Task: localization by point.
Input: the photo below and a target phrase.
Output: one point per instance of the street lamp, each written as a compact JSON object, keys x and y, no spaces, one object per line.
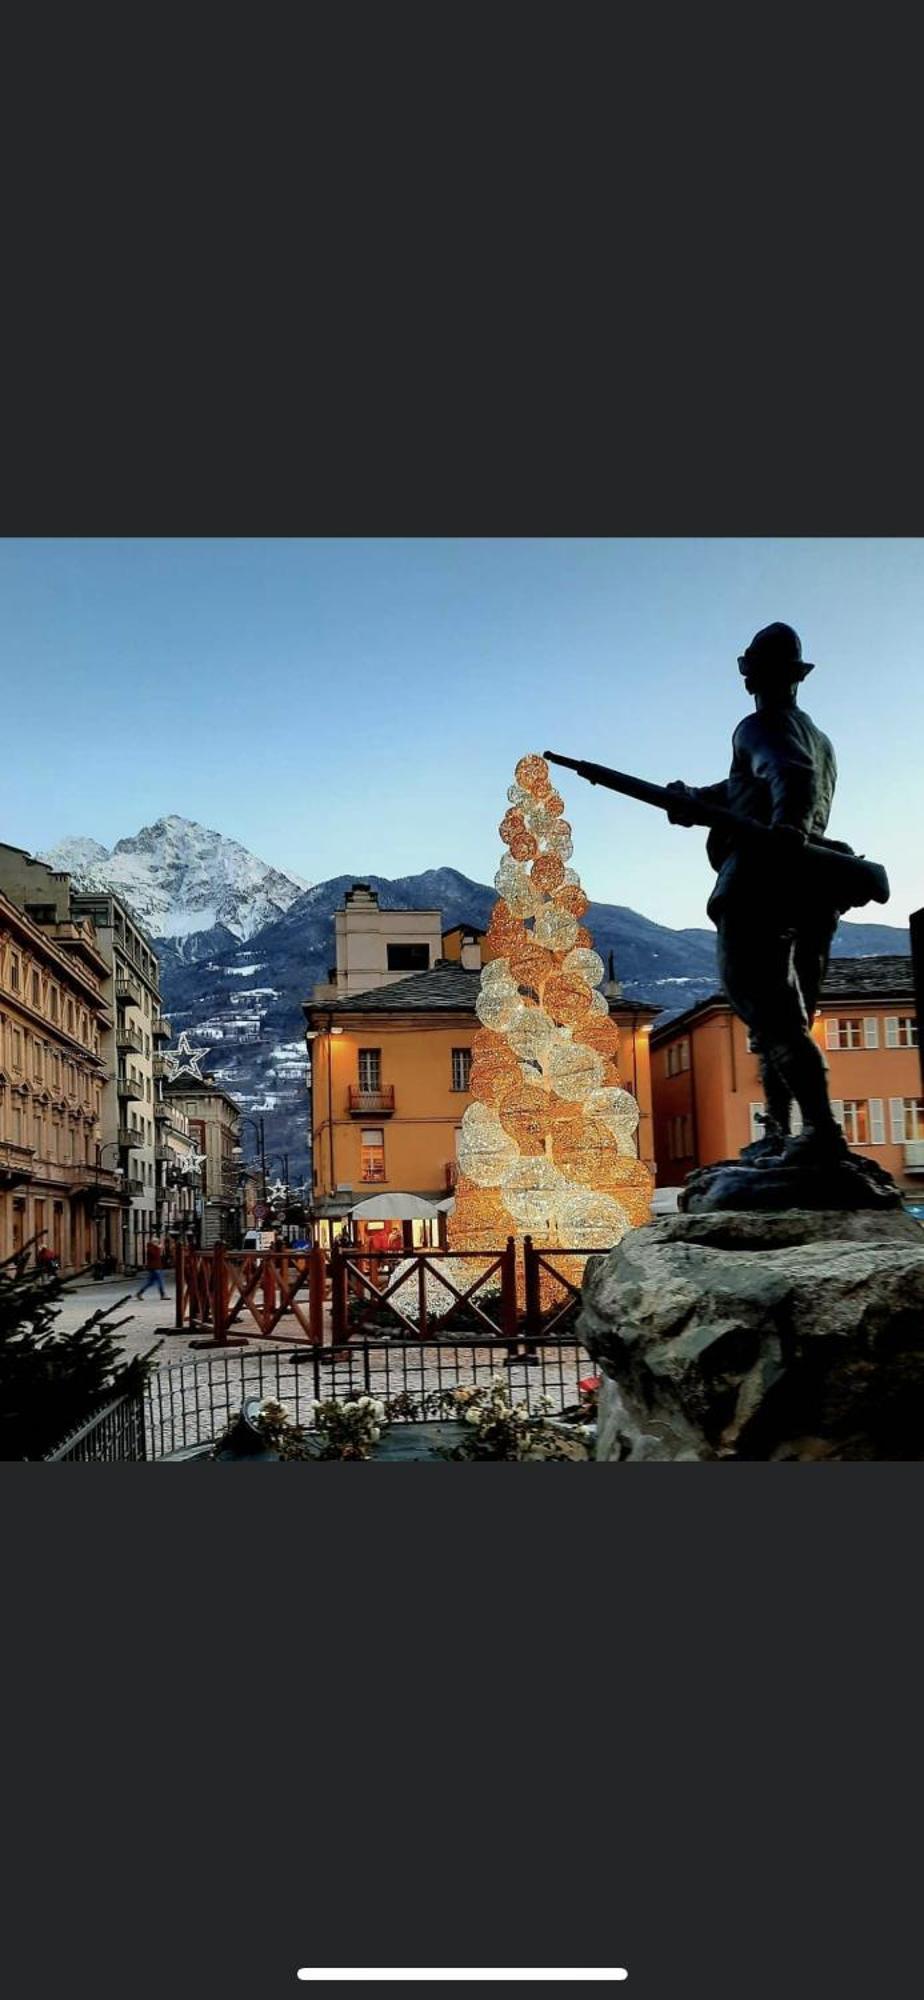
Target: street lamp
{"x":258,"y":1127}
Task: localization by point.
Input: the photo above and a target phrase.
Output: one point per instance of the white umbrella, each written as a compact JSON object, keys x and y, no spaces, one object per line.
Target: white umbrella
{"x":394,"y":1208}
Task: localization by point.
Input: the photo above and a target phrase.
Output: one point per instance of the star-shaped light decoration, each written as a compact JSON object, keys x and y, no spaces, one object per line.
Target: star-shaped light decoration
{"x":184,"y":1060}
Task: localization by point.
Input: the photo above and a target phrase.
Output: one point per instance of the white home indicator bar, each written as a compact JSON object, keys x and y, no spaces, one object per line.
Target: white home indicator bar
{"x":364,"y":1973}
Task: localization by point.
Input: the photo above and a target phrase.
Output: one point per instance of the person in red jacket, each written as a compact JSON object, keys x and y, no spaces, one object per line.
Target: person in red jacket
{"x":154,"y":1260}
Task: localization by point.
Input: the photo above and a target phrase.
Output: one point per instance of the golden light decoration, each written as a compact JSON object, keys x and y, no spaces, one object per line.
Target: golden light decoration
{"x":566,"y":996}
{"x":548,"y":1145}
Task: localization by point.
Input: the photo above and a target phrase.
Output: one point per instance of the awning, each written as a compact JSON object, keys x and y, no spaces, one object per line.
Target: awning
{"x":394,"y":1208}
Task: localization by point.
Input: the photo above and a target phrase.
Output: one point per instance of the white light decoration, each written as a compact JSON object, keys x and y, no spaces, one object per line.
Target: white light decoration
{"x":548,"y":1146}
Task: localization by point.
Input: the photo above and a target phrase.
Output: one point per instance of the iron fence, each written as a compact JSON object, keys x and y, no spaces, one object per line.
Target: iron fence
{"x":191,"y":1403}
{"x":118,"y":1432}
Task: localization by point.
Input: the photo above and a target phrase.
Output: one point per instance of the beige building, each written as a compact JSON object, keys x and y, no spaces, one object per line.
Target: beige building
{"x":131,"y":1000}
{"x":375,"y":947}
{"x":214,"y":1123}
{"x":178,"y":1172}
{"x":54,"y":1024}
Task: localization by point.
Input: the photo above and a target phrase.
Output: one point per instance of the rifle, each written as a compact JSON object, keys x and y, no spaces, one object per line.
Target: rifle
{"x":849,"y":880}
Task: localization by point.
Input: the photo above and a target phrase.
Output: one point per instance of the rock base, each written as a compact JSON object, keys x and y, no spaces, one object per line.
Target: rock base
{"x":769,"y":1186}
{"x":741,"y":1335}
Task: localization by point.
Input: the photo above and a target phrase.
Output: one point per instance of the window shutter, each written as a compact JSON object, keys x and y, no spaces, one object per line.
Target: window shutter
{"x":870,"y":1031}
{"x":831,"y":1032}
{"x":837,"y":1108}
{"x":891,"y":1031}
{"x":757,"y":1131}
{"x":897,"y":1118}
{"x":876,"y":1122}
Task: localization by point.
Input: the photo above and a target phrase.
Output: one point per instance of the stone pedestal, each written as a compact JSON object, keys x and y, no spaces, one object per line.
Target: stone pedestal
{"x":743,"y":1335}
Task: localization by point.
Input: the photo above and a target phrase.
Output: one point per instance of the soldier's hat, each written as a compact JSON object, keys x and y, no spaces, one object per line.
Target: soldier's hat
{"x":777,"y":650}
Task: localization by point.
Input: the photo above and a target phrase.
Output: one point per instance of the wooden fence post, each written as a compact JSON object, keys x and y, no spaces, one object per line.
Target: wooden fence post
{"x":338,"y":1297}
{"x":269,"y":1291}
{"x":509,"y":1298}
{"x":219,"y":1295}
{"x":316,"y":1295}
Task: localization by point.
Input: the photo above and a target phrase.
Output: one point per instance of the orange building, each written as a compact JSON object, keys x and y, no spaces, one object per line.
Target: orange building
{"x":706,"y":1083}
{"x":389,"y":1074}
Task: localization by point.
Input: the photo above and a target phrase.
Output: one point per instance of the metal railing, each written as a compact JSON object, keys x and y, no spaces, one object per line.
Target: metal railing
{"x":128,"y":1085}
{"x":117,"y":1432}
{"x":192,"y":1403}
{"x":129,"y":1141}
{"x":129,"y":1038}
{"x":380,"y":1101}
{"x":161,"y":1028}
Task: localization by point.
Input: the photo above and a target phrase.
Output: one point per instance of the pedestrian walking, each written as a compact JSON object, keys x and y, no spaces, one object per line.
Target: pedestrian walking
{"x":154,"y":1260}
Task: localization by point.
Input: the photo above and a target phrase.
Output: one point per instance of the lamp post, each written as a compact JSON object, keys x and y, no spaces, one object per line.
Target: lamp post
{"x":258,"y":1126}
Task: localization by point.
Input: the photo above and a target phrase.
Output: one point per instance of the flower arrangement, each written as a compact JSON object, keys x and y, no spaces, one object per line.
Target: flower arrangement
{"x":498,"y":1428}
{"x":349,"y":1428}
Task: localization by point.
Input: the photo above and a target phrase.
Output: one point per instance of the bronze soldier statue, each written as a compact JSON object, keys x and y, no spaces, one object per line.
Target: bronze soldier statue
{"x":776,"y":918}
{"x":782,"y":885}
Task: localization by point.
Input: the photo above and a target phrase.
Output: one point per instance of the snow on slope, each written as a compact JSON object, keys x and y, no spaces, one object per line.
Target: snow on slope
{"x":180,"y":878}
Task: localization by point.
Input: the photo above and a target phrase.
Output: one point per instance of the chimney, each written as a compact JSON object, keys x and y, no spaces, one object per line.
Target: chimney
{"x":470,"y":953}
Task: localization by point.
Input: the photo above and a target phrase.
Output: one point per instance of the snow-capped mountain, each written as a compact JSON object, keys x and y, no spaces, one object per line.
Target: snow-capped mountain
{"x":180,"y":878}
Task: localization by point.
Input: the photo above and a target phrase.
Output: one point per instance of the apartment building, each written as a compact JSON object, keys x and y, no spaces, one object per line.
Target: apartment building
{"x":213,"y":1122}
{"x":389,"y":1072}
{"x":54,"y":1022}
{"x":133,"y":991}
{"x":706,"y":1082}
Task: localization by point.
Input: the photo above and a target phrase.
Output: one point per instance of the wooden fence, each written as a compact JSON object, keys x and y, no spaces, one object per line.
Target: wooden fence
{"x":349,"y":1292}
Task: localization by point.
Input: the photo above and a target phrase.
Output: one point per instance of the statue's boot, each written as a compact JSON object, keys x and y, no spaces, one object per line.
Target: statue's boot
{"x":802,"y":1070}
{"x":815,"y":1146}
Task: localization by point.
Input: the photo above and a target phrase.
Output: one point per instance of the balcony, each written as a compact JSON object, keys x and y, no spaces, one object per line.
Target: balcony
{"x":161,"y":1029}
{"x":128,"y":1085}
{"x":162,"y":1110}
{"x":162,"y":1151}
{"x":372,"y":1103}
{"x":130,"y":1142}
{"x":128,"y":991}
{"x":914,"y":1156}
{"x":159,"y":1068}
{"x":15,"y":1163}
{"x":129,"y":1038}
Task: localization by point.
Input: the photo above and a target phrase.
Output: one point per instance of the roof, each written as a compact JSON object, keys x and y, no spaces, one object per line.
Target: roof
{"x":445,"y":986}
{"x":879,"y":978}
{"x":448,"y":987}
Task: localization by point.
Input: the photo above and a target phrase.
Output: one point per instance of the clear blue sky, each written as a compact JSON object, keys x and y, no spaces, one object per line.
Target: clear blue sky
{"x":360,"y":705}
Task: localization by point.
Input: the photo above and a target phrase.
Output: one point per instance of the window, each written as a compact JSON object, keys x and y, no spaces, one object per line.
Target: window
{"x":14,"y":971}
{"x":53,"y":1002}
{"x":372,"y":1166}
{"x":370,"y":1069}
{"x":70,"y":1017}
{"x":36,"y":990}
{"x":901,"y":1031}
{"x":843,"y":1033}
{"x":678,"y":1057}
{"x":906,"y":1119}
{"x":855,"y":1121}
{"x":461,"y":1068}
{"x":17,"y":1048}
{"x":407,"y":957}
{"x":680,"y":1137}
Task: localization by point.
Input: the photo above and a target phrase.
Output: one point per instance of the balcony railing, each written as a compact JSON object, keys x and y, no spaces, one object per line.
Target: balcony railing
{"x":15,"y":1162}
{"x":127,"y":990}
{"x":162,"y":1110}
{"x":161,"y":1029}
{"x":129,"y":1038}
{"x":129,"y":1141}
{"x":159,"y":1067}
{"x":128,"y":1085}
{"x":379,"y":1103}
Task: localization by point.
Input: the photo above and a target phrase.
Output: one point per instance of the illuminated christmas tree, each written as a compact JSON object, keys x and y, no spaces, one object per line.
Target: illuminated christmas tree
{"x":547,"y":1148}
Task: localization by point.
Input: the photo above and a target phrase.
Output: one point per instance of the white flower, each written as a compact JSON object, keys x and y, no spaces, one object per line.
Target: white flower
{"x":472,"y":1416}
{"x":375,"y":1433}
